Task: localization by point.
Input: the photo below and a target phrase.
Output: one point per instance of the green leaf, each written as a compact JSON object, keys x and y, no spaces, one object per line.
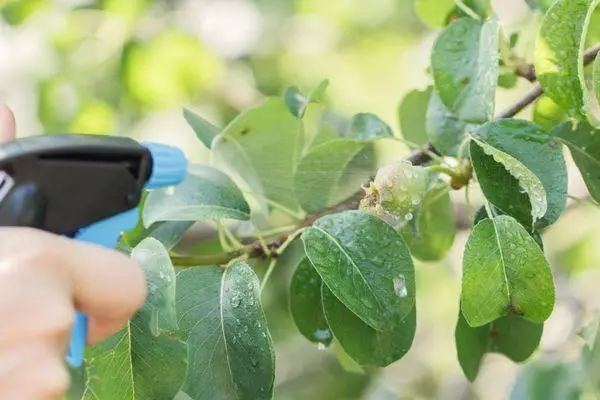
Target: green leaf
{"x":230,"y":349}
{"x":541,"y":162}
{"x":345,"y":360}
{"x":434,"y":12}
{"x":464,"y":63}
{"x":317,"y":94}
{"x":559,"y":54}
{"x":554,"y":381}
{"x":169,"y":233}
{"x":481,"y":214}
{"x":297,"y":102}
{"x":125,"y":366}
{"x":205,"y":131}
{"x":306,"y":305}
{"x":445,"y":131}
{"x":412,"y":115}
{"x":366,"y":264}
{"x":547,"y":114}
{"x":368,"y":127}
{"x":361,"y":342}
{"x":512,"y":336}
{"x":504,"y":273}
{"x":596,"y":78}
{"x":583,"y":142}
{"x":518,"y":193}
{"x":433,"y":235}
{"x":160,"y":274}
{"x":205,"y":194}
{"x":331,"y":172}
{"x":263,"y":146}
{"x":542,"y":5}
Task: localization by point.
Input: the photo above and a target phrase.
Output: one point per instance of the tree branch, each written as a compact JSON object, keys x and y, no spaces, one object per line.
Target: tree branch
{"x":255,"y":250}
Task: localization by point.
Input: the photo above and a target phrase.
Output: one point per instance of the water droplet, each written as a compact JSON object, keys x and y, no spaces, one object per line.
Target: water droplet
{"x":245,"y":328}
{"x":253,"y":361}
{"x":321,"y":346}
{"x":322,"y":334}
{"x":408,"y":216}
{"x":416,"y":202}
{"x":400,"y":286}
{"x":530,"y":275}
{"x":169,"y":191}
{"x":162,"y":275}
{"x":235,"y":301}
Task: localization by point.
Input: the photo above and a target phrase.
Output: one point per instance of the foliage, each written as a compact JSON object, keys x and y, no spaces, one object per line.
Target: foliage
{"x":278,"y":181}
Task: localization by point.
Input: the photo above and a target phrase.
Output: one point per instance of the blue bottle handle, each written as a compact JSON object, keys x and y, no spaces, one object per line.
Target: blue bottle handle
{"x":169,"y":168}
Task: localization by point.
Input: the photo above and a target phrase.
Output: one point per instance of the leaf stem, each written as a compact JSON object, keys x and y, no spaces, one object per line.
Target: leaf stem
{"x":268,"y":274}
{"x":182,"y":262}
{"x":261,"y":241}
{"x":222,"y":238}
{"x":424,"y":149}
{"x":289,"y":241}
{"x":488,"y":209}
{"x":451,"y":172}
{"x":467,"y":10}
{"x":232,"y":239}
{"x":294,"y":214}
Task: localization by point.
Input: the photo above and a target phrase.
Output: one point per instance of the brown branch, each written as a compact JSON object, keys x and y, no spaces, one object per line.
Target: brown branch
{"x":255,"y":250}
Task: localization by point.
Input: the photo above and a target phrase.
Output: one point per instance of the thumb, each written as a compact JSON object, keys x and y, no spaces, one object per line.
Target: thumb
{"x":7,"y":124}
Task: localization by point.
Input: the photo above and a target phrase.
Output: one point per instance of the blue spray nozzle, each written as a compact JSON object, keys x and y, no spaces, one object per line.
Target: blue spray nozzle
{"x":169,"y":165}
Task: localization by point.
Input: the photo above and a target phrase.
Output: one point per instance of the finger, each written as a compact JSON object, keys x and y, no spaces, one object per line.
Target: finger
{"x":35,"y":302}
{"x":32,"y":372}
{"x":103,"y":283}
{"x":7,"y":124}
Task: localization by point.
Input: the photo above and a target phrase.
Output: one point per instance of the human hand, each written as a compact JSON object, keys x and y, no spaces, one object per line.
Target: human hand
{"x":44,"y":278}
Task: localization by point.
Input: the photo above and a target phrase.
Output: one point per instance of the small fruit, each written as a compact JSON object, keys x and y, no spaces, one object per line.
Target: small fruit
{"x":396,"y":193}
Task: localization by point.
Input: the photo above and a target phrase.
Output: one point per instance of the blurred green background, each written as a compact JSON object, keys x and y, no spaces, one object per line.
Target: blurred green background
{"x":128,"y":67}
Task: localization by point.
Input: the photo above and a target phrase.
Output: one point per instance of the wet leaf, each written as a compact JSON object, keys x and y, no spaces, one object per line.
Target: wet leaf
{"x":205,"y":194}
{"x":583,"y":142}
{"x":433,"y":235}
{"x":464,"y":63}
{"x":505,"y":273}
{"x":366,"y":264}
{"x":124,"y":366}
{"x":535,"y":159}
{"x":230,"y":349}
{"x":306,"y":305}
{"x":515,"y":337}
{"x":160,"y":274}
{"x":559,"y":54}
{"x":412,"y":116}
{"x":361,"y":342}
{"x":205,"y":131}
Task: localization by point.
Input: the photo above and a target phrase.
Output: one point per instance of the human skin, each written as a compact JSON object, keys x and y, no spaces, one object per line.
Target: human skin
{"x":44,"y":278}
